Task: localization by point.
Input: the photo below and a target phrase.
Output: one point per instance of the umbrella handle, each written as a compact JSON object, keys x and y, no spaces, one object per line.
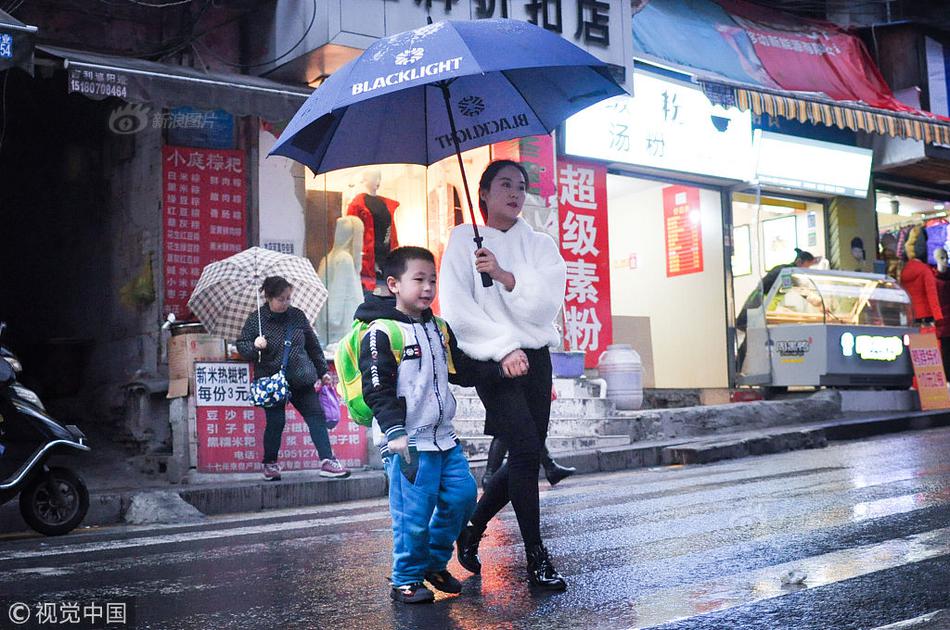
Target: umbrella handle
{"x":486,"y":279}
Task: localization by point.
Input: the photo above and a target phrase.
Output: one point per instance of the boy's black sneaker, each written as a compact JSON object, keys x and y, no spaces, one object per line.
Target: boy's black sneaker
{"x":412,"y":594}
{"x":444,"y":581}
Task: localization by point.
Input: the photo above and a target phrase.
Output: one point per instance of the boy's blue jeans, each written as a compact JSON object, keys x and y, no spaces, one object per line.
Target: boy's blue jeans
{"x":428,"y":515}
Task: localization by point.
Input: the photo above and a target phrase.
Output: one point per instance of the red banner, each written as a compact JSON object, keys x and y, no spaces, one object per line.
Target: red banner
{"x":231,"y":439}
{"x":204,"y":201}
{"x":582,"y":205}
{"x":231,"y":435}
{"x":683,"y":227}
{"x":812,"y":56}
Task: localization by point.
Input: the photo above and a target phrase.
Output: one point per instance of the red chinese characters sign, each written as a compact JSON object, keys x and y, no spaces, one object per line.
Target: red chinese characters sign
{"x":928,"y":369}
{"x":683,"y":229}
{"x":582,"y":205}
{"x":204,"y":195}
{"x":230,"y":431}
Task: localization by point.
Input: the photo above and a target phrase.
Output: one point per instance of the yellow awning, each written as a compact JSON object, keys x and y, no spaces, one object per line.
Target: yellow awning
{"x":844,"y":116}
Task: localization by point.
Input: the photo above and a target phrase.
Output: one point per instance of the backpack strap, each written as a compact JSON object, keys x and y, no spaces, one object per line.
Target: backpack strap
{"x":443,"y":329}
{"x":397,"y":341}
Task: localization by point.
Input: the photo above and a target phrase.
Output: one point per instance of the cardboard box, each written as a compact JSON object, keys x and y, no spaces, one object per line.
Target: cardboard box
{"x":183,"y":351}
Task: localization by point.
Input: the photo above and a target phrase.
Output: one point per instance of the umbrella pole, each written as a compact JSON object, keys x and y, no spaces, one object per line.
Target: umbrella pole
{"x":486,"y":279}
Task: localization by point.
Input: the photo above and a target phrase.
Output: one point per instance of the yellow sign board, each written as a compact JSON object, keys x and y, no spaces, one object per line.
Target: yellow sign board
{"x":928,"y":368}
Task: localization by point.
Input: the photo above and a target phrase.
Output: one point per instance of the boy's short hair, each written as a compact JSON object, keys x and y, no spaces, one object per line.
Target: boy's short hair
{"x":398,"y":260}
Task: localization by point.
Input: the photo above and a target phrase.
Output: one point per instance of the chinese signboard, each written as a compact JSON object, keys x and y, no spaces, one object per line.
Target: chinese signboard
{"x":16,"y":46}
{"x":230,"y":430}
{"x":928,"y":368}
{"x":98,"y":84}
{"x":682,"y":222}
{"x":204,"y":200}
{"x":667,"y":125}
{"x":601,"y":27}
{"x":582,"y":213}
{"x":812,"y":165}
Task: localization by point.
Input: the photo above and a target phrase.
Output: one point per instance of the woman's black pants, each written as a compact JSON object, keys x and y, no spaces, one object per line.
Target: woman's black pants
{"x":307,"y":402}
{"x":520,"y":410}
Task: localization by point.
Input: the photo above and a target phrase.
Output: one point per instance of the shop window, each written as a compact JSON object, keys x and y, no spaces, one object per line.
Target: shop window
{"x":897,"y":215}
{"x":666,"y":280}
{"x":766,"y":232}
{"x":354,"y":217}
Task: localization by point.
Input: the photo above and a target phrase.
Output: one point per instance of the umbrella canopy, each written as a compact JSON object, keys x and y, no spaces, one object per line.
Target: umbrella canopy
{"x":229,"y":290}
{"x":503,"y":79}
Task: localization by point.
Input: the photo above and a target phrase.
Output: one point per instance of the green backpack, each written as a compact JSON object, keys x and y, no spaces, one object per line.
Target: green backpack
{"x":347,"y":362}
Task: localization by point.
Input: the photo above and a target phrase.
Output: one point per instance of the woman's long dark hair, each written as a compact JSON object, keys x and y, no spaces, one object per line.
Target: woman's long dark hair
{"x":488,"y":176}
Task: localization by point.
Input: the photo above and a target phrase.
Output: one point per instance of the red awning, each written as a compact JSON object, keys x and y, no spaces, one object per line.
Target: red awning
{"x":773,"y":62}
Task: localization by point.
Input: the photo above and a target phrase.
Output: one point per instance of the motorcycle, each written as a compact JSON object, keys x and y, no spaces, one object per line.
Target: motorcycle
{"x":53,"y":499}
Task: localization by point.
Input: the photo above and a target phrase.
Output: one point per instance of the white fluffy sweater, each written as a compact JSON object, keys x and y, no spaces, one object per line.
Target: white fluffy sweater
{"x":491,"y":322}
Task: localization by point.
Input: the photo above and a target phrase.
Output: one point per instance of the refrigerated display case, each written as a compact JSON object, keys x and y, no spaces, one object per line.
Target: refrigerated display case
{"x":829,"y":328}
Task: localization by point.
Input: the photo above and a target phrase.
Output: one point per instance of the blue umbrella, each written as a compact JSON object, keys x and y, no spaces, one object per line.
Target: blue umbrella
{"x":398,"y":101}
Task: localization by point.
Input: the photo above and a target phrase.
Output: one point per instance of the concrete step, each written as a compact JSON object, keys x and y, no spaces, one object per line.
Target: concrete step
{"x":477,"y":445}
{"x":558,"y":426}
{"x":745,"y":445}
{"x":469,"y":406}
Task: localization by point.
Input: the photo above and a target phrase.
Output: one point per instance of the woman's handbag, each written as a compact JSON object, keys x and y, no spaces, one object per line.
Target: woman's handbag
{"x":269,"y":391}
{"x":331,"y":406}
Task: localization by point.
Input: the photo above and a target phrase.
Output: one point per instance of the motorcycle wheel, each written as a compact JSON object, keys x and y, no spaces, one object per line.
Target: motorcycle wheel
{"x":43,"y":514}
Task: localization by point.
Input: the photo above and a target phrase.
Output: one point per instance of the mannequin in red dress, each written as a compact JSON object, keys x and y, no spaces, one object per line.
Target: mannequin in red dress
{"x":379,"y":227}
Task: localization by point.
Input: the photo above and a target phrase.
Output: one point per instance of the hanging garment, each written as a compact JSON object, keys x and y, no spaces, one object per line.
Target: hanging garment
{"x":379,"y":233}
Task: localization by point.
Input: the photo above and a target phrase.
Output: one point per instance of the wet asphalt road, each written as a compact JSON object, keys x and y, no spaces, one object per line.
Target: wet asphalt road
{"x":696,"y":547}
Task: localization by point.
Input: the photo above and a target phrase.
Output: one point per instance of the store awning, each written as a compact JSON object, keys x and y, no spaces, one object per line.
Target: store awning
{"x":768,"y":61}
{"x":166,"y":85}
{"x":16,"y":43}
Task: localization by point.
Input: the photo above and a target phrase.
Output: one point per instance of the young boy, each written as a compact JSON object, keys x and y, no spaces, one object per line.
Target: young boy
{"x":431,"y":491}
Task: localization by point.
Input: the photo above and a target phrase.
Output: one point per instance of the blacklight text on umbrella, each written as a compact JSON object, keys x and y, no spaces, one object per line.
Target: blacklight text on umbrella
{"x":482,"y":130}
{"x":395,"y":78}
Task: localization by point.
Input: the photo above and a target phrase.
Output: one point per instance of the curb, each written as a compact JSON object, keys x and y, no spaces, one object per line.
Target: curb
{"x":109,"y":507}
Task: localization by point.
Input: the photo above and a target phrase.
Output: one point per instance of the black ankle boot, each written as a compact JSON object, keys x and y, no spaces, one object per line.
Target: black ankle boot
{"x":554,"y":471}
{"x":540,"y":570}
{"x":467,"y":553}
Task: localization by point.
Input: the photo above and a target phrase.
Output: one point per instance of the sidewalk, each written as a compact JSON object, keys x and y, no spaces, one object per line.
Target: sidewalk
{"x":690,"y":435}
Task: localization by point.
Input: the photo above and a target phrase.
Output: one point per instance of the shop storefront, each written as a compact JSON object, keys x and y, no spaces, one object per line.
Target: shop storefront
{"x":700,"y":208}
{"x":899,"y":212}
{"x":124,"y":178}
{"x":807,"y":197}
{"x":671,"y":158}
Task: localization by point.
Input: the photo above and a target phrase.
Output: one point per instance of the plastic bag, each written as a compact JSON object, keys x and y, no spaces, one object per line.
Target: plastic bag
{"x":331,"y":406}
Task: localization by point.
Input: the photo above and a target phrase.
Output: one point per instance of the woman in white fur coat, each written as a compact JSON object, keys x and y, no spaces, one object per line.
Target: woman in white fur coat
{"x":511,"y":322}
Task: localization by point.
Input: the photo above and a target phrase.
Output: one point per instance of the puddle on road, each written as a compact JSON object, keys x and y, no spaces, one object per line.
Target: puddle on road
{"x":674,"y":604}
